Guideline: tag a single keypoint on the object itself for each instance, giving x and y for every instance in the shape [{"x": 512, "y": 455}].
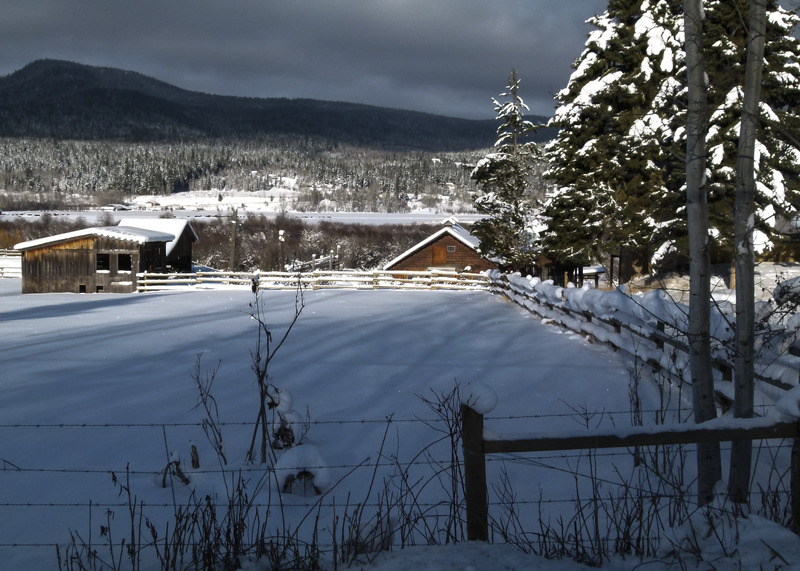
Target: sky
[{"x": 448, "y": 57}]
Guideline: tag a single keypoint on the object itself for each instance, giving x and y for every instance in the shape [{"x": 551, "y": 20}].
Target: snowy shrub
[{"x": 301, "y": 470}]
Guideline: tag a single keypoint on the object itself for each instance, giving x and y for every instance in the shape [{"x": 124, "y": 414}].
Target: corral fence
[
  {"x": 651, "y": 341},
  {"x": 649, "y": 346},
  {"x": 476, "y": 446},
  {"x": 376, "y": 279},
  {"x": 10, "y": 263}
]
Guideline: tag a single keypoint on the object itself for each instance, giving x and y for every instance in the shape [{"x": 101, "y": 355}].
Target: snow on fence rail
[
  {"x": 476, "y": 446},
  {"x": 652, "y": 328},
  {"x": 378, "y": 279},
  {"x": 10, "y": 264}
]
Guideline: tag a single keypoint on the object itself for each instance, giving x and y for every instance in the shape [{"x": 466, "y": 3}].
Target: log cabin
[{"x": 451, "y": 248}]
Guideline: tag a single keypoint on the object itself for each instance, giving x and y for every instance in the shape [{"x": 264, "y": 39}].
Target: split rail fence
[
  {"x": 477, "y": 446},
  {"x": 657, "y": 338},
  {"x": 377, "y": 279}
]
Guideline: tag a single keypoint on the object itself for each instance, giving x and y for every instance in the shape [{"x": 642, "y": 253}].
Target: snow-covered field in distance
[
  {"x": 210, "y": 204},
  {"x": 367, "y": 218}
]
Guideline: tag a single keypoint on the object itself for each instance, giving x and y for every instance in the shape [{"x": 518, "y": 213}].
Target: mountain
[{"x": 65, "y": 100}]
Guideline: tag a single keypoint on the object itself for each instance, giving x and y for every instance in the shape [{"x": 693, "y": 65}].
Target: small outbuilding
[
  {"x": 104, "y": 259},
  {"x": 451, "y": 248},
  {"x": 179, "y": 249}
]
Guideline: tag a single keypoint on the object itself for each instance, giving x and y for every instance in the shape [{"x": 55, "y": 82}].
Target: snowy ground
[
  {"x": 205, "y": 205},
  {"x": 94, "y": 383}
]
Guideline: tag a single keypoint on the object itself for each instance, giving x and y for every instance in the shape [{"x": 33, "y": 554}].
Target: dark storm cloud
[{"x": 442, "y": 56}]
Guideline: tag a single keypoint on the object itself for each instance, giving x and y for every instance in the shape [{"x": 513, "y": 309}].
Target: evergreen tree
[
  {"x": 618, "y": 161},
  {"x": 777, "y": 159},
  {"x": 502, "y": 179},
  {"x": 604, "y": 184}
]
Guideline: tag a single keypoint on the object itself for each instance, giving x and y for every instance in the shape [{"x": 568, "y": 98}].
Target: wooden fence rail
[
  {"x": 659, "y": 336},
  {"x": 377, "y": 279},
  {"x": 476, "y": 447},
  {"x": 10, "y": 263}
]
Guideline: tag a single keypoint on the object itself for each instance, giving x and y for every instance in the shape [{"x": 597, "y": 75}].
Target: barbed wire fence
[{"x": 566, "y": 465}]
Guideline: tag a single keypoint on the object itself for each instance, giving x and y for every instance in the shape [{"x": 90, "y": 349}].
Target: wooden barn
[
  {"x": 179, "y": 249},
  {"x": 104, "y": 259},
  {"x": 451, "y": 248}
]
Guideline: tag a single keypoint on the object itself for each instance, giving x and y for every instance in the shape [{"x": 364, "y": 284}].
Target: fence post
[{"x": 474, "y": 475}]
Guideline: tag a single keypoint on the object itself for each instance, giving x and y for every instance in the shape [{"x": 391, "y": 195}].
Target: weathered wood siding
[
  {"x": 90, "y": 264},
  {"x": 446, "y": 252},
  {"x": 59, "y": 267}
]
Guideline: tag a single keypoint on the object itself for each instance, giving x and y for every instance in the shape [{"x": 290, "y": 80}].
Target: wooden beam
[
  {"x": 647, "y": 436},
  {"x": 476, "y": 498}
]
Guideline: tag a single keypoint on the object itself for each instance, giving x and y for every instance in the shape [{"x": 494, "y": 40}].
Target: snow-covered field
[
  {"x": 91, "y": 384},
  {"x": 368, "y": 218},
  {"x": 205, "y": 204}
]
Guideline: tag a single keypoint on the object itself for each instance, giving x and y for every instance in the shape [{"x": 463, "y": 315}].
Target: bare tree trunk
[
  {"x": 741, "y": 453},
  {"x": 709, "y": 467}
]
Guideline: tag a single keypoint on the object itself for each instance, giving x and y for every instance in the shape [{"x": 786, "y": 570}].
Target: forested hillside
[
  {"x": 73, "y": 135},
  {"x": 65, "y": 100},
  {"x": 50, "y": 174}
]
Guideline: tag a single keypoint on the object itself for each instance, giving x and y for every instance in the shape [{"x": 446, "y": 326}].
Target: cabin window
[
  {"x": 451, "y": 248},
  {"x": 124, "y": 263},
  {"x": 103, "y": 262}
]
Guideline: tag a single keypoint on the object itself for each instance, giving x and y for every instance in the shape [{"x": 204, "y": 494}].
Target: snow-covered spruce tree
[
  {"x": 502, "y": 179},
  {"x": 777, "y": 157},
  {"x": 618, "y": 162},
  {"x": 605, "y": 181}
]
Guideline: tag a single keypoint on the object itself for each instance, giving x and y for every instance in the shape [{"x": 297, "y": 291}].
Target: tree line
[
  {"x": 677, "y": 143},
  {"x": 255, "y": 242},
  {"x": 55, "y": 174},
  {"x": 618, "y": 163}
]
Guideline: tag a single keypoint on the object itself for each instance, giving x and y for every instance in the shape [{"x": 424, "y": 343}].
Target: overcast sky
[{"x": 441, "y": 56}]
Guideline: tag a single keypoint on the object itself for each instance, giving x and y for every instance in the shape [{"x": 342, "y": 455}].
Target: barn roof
[
  {"x": 453, "y": 229},
  {"x": 129, "y": 233},
  {"x": 174, "y": 226}
]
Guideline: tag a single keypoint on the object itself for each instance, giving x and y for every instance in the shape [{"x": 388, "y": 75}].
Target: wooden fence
[
  {"x": 476, "y": 447},
  {"x": 656, "y": 337},
  {"x": 378, "y": 279},
  {"x": 10, "y": 264}
]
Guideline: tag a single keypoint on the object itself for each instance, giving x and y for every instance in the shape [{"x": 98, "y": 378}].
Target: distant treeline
[
  {"x": 53, "y": 174},
  {"x": 257, "y": 245}
]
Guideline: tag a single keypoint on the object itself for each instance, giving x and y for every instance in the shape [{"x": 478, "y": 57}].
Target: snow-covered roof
[
  {"x": 138, "y": 235},
  {"x": 174, "y": 226},
  {"x": 453, "y": 229}
]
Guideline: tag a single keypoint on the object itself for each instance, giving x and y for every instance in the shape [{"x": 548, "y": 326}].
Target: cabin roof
[
  {"x": 129, "y": 233},
  {"x": 453, "y": 229},
  {"x": 174, "y": 226}
]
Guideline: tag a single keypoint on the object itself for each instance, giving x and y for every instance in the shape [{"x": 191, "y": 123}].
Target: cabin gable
[{"x": 451, "y": 248}]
